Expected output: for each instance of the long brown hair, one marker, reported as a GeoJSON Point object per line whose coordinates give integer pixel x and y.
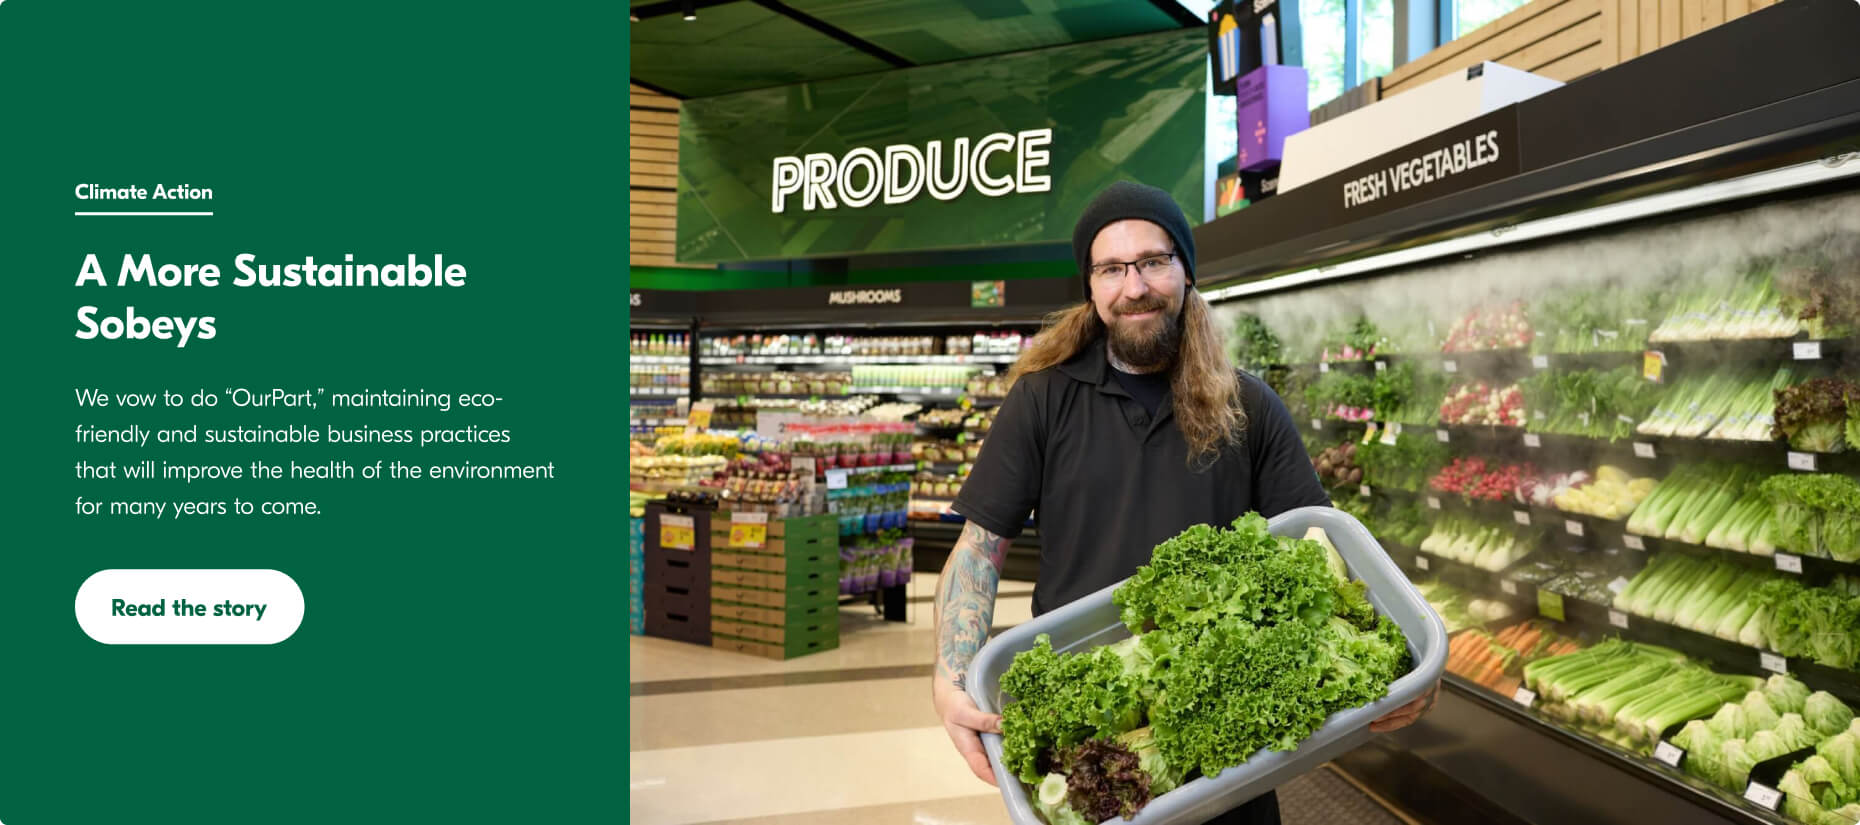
{"type": "Point", "coordinates": [1202, 380]}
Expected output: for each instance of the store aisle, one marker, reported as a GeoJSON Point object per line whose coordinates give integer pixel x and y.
{"type": "Point", "coordinates": [846, 736]}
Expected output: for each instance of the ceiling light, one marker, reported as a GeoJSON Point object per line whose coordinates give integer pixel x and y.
{"type": "Point", "coordinates": [690, 10]}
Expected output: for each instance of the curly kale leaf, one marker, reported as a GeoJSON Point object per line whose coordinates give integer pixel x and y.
{"type": "Point", "coordinates": [1062, 699]}
{"type": "Point", "coordinates": [1205, 574]}
{"type": "Point", "coordinates": [1245, 687]}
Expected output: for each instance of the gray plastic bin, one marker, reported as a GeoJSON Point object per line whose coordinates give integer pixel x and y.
{"type": "Point", "coordinates": [1093, 621]}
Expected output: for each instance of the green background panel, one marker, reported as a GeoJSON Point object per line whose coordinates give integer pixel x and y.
{"type": "Point", "coordinates": [462, 654]}
{"type": "Point", "coordinates": [1122, 109]}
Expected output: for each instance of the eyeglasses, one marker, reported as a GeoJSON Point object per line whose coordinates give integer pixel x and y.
{"type": "Point", "coordinates": [1151, 268]}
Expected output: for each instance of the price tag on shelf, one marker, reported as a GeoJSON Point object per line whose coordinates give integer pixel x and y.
{"type": "Point", "coordinates": [677, 532]}
{"type": "Point", "coordinates": [836, 479]}
{"type": "Point", "coordinates": [1369, 433]}
{"type": "Point", "coordinates": [1390, 433]}
{"type": "Point", "coordinates": [749, 530]}
{"type": "Point", "coordinates": [1653, 365]}
{"type": "Point", "coordinates": [1522, 517]}
{"type": "Point", "coordinates": [1618, 619]}
{"type": "Point", "coordinates": [1802, 461]}
{"type": "Point", "coordinates": [1382, 366]}
{"type": "Point", "coordinates": [1323, 366]}
{"type": "Point", "coordinates": [699, 420]}
{"type": "Point", "coordinates": [1363, 491]}
{"type": "Point", "coordinates": [1788, 563]}
{"type": "Point", "coordinates": [1550, 604]}
{"type": "Point", "coordinates": [1633, 542]}
{"type": "Point", "coordinates": [1433, 503]}
{"type": "Point", "coordinates": [1450, 366]}
{"type": "Point", "coordinates": [1619, 584]}
{"type": "Point", "coordinates": [1772, 662]}
{"type": "Point", "coordinates": [1533, 440]}
{"type": "Point", "coordinates": [1442, 436]}
{"type": "Point", "coordinates": [1510, 587]}
{"type": "Point", "coordinates": [1572, 527]}
{"type": "Point", "coordinates": [1423, 563]}
{"type": "Point", "coordinates": [1808, 350]}
{"type": "Point", "coordinates": [1317, 423]}
{"type": "Point", "coordinates": [1763, 796]}
{"type": "Point", "coordinates": [1541, 362]}
{"type": "Point", "coordinates": [1643, 449]}
{"type": "Point", "coordinates": [1524, 696]}
{"type": "Point", "coordinates": [1669, 754]}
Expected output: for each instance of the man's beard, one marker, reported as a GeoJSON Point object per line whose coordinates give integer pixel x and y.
{"type": "Point", "coordinates": [1149, 345]}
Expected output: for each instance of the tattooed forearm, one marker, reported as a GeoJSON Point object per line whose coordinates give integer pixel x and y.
{"type": "Point", "coordinates": [965, 600]}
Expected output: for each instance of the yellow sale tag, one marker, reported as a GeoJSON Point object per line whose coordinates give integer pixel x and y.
{"type": "Point", "coordinates": [677, 532]}
{"type": "Point", "coordinates": [1653, 366]}
{"type": "Point", "coordinates": [699, 420]}
{"type": "Point", "coordinates": [1369, 434]}
{"type": "Point", "coordinates": [749, 531]}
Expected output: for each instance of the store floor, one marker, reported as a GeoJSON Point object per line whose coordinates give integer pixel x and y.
{"type": "Point", "coordinates": [845, 736]}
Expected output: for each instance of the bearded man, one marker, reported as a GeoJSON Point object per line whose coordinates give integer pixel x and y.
{"type": "Point", "coordinates": [1126, 425]}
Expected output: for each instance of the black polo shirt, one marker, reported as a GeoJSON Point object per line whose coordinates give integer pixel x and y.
{"type": "Point", "coordinates": [1110, 481]}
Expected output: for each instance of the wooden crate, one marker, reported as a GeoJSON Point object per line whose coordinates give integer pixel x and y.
{"type": "Point", "coordinates": [800, 597]}
{"type": "Point", "coordinates": [786, 616]}
{"type": "Point", "coordinates": [799, 646]}
{"type": "Point", "coordinates": [807, 535]}
{"type": "Point", "coordinates": [819, 559]}
{"type": "Point", "coordinates": [789, 580]}
{"type": "Point", "coordinates": [772, 635]}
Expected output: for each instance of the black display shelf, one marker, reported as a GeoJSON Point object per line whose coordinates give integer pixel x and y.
{"type": "Point", "coordinates": [1640, 765]}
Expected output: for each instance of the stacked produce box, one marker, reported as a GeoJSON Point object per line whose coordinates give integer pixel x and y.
{"type": "Point", "coordinates": [771, 584]}
{"type": "Point", "coordinates": [676, 578]}
{"type": "Point", "coordinates": [636, 575]}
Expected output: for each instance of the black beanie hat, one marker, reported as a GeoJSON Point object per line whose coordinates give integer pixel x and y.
{"type": "Point", "coordinates": [1124, 200]}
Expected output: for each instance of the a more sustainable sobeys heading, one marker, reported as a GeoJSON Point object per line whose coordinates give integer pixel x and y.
{"type": "Point", "coordinates": [144, 271]}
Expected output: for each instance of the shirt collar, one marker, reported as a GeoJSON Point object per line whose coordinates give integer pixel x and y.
{"type": "Point", "coordinates": [1089, 366]}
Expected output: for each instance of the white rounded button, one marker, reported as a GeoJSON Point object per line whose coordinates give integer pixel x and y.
{"type": "Point", "coordinates": [189, 607]}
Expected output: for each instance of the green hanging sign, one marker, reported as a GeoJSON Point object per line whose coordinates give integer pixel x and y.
{"type": "Point", "coordinates": [995, 151]}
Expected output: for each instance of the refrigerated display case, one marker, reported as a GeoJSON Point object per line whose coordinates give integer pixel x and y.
{"type": "Point", "coordinates": [1606, 410]}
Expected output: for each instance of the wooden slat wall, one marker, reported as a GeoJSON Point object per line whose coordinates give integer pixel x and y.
{"type": "Point", "coordinates": [1567, 39]}
{"type": "Point", "coordinates": [653, 174]}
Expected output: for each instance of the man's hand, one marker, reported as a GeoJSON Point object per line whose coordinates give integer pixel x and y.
{"type": "Point", "coordinates": [1406, 714]}
{"type": "Point", "coordinates": [965, 723]}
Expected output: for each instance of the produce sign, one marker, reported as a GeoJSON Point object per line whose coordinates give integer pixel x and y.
{"type": "Point", "coordinates": [1253, 639]}
{"type": "Point", "coordinates": [677, 532]}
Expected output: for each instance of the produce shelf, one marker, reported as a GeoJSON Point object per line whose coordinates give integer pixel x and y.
{"type": "Point", "coordinates": [1597, 533]}
{"type": "Point", "coordinates": [1640, 766]}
